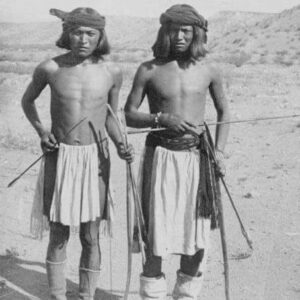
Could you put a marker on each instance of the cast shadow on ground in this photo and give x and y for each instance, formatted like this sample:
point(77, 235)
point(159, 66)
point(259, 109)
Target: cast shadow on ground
point(26, 280)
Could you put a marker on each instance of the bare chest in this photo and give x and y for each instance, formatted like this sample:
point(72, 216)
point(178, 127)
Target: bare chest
point(80, 84)
point(171, 82)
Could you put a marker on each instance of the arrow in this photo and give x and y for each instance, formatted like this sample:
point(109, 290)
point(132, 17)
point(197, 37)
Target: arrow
point(39, 158)
point(218, 123)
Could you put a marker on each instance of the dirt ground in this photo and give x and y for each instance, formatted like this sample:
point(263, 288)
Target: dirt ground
point(263, 175)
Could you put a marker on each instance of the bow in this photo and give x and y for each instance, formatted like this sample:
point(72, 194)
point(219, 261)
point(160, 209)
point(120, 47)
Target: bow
point(131, 188)
point(211, 149)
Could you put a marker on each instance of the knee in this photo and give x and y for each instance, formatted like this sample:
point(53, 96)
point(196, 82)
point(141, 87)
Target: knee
point(59, 235)
point(89, 240)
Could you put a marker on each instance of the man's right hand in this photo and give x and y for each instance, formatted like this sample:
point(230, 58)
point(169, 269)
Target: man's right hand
point(48, 142)
point(176, 123)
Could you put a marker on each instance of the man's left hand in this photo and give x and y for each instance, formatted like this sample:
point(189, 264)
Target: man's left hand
point(126, 153)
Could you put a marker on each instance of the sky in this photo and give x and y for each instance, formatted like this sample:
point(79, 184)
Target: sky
point(37, 10)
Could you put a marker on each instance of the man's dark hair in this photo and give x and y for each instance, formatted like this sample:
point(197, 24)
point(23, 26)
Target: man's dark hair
point(162, 46)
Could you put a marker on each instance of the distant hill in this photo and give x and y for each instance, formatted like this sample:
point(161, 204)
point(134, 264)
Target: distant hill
point(245, 36)
point(263, 37)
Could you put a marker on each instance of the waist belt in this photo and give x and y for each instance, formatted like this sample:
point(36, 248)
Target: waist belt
point(173, 143)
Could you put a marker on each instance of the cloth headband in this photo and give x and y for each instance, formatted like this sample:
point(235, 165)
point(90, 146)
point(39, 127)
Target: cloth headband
point(183, 14)
point(79, 18)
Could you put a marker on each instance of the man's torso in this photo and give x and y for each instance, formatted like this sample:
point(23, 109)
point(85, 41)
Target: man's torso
point(181, 90)
point(77, 92)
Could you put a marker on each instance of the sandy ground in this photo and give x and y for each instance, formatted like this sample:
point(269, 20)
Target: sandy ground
point(263, 175)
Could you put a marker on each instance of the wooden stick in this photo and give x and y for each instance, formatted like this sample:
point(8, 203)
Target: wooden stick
point(243, 230)
point(222, 229)
point(224, 249)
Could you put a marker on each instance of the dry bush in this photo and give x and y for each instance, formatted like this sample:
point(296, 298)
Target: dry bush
point(26, 55)
point(16, 141)
point(281, 52)
point(17, 68)
point(280, 60)
point(236, 41)
point(262, 60)
point(238, 59)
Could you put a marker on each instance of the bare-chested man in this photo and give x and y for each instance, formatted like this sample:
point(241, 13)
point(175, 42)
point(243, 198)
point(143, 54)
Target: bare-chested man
point(177, 210)
point(76, 176)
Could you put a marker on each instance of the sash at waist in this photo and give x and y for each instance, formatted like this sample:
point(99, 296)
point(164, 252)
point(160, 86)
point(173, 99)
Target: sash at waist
point(177, 143)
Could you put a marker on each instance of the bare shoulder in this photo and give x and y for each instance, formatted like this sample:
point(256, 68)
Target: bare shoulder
point(145, 69)
point(44, 69)
point(49, 65)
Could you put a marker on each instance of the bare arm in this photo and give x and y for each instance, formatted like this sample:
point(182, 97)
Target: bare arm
point(111, 126)
point(36, 86)
point(38, 83)
point(135, 118)
point(221, 105)
point(113, 99)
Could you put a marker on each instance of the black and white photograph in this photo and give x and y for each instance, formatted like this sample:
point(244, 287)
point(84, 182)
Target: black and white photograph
point(149, 150)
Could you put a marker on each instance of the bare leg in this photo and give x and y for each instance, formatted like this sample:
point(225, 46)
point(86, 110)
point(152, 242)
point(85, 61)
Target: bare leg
point(90, 260)
point(56, 258)
point(190, 265)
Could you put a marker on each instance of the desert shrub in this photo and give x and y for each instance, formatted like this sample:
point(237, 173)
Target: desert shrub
point(17, 68)
point(280, 60)
point(287, 63)
point(25, 55)
point(264, 53)
point(10, 140)
point(238, 59)
point(262, 60)
point(236, 41)
point(281, 52)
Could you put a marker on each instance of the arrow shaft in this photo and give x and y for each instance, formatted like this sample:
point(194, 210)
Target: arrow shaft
point(147, 130)
point(40, 157)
